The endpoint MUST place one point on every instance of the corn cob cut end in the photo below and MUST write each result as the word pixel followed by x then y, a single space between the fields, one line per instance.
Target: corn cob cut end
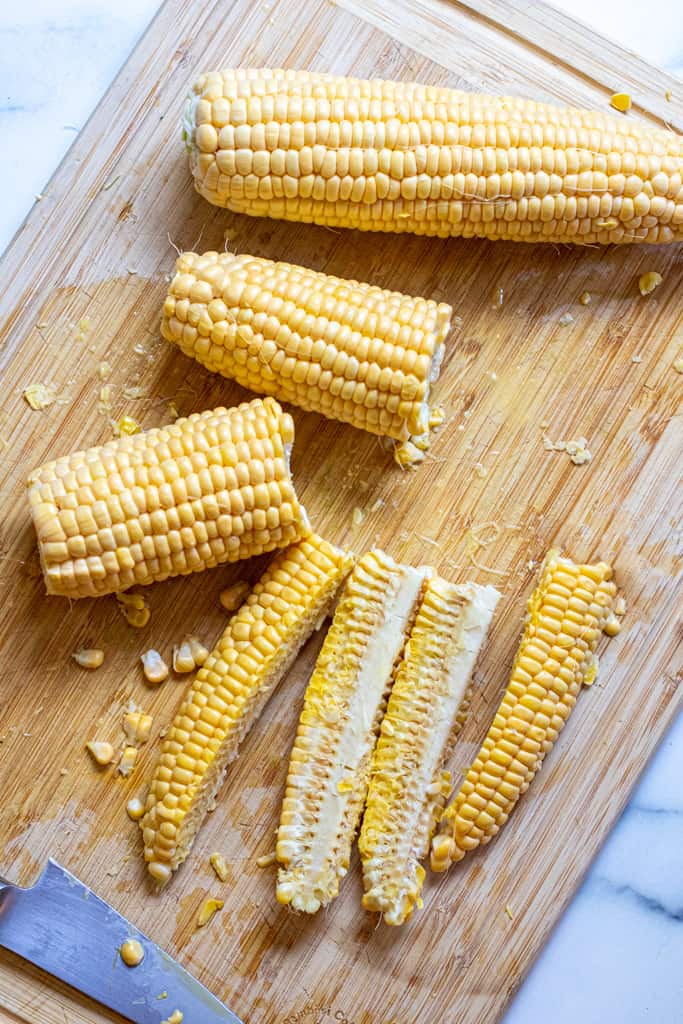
pixel 256 650
pixel 567 615
pixel 330 761
pixel 427 708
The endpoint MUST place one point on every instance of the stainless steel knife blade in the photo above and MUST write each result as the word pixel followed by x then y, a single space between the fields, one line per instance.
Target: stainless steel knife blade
pixel 59 924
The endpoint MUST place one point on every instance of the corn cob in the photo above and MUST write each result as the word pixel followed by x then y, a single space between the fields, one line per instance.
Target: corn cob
pixel 212 488
pixel 350 351
pixel 396 156
pixel 229 692
pixel 566 616
pixel 427 708
pixel 330 761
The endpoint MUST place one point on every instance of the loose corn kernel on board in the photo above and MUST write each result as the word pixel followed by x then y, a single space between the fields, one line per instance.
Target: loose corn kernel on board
pixel 84 282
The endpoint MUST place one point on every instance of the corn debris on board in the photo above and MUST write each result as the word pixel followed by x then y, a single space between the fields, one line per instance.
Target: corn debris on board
pixel 427 708
pixel 330 760
pixel 399 156
pixel 231 689
pixel 566 616
pixel 351 351
pixel 214 487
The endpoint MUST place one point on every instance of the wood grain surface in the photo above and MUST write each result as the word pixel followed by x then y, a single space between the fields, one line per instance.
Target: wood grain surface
pixel 83 282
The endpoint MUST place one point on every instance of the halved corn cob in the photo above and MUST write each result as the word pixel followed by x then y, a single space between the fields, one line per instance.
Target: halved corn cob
pixel 566 615
pixel 231 689
pixel 330 761
pixel 212 488
pixel 399 156
pixel 351 351
pixel 427 708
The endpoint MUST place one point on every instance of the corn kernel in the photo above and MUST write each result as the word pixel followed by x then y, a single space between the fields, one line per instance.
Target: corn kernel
pixel 137 726
pixel 207 910
pixel 88 657
pixel 233 596
pixel 154 667
pixel 648 282
pixel 218 864
pixel 621 101
pixel 135 808
pixel 101 752
pixel 128 759
pixel 131 952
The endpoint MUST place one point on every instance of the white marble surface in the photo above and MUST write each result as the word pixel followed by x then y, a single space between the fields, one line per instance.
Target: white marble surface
pixel 616 956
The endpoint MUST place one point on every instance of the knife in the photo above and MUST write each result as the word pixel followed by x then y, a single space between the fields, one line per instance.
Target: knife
pixel 59 924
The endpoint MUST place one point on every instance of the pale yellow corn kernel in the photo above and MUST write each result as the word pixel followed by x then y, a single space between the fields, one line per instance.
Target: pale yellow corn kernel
pixel 198 651
pixel 137 726
pixel 234 595
pixel 401 156
pixel 648 282
pixel 154 668
pixel 621 101
pixel 209 489
pixel 218 864
pixel 135 808
pixel 345 349
pixel 612 627
pixel 175 1018
pixel 209 907
pixel 127 762
pixel 522 733
pixel 408 455
pixel 266 860
pixel 131 952
pixel 229 691
pixel 40 396
pixel 427 708
pixel 620 606
pixel 101 752
pixel 585 298
pixel 88 657
pixel 329 768
pixel 183 659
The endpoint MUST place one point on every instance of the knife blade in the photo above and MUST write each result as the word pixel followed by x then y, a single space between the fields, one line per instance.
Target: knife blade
pixel 61 925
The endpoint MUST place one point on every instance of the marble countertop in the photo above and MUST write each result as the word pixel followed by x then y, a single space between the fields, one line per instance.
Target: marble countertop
pixel 616 955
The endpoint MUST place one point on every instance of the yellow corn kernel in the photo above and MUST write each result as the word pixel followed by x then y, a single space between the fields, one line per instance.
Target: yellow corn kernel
pixel 101 752
pixel 257 648
pixel 137 726
pixel 131 952
pixel 427 708
pixel 401 156
pixel 175 1018
pixel 88 657
pixel 154 667
pixel 128 759
pixel 348 350
pixel 621 101
pixel 585 298
pixel 235 595
pixel 127 426
pixel 218 864
pixel 40 396
pixel 266 860
pixel 135 808
pixel 567 613
pixel 338 726
pixel 207 910
pixel 134 609
pixel 648 282
pixel 212 488
pixel 408 455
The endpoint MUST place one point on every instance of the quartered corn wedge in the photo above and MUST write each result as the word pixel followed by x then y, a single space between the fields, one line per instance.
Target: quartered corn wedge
pixel 229 692
pixel 400 156
pixel 351 351
pixel 212 488
pixel 427 708
pixel 566 616
pixel 330 761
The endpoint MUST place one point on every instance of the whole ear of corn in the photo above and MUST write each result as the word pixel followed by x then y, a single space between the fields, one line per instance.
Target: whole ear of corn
pixel 427 708
pixel 212 488
pixel 229 692
pixel 566 615
pixel 351 351
pixel 399 156
pixel 330 761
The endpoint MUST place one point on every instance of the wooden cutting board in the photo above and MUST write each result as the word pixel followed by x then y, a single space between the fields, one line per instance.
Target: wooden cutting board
pixel 83 282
